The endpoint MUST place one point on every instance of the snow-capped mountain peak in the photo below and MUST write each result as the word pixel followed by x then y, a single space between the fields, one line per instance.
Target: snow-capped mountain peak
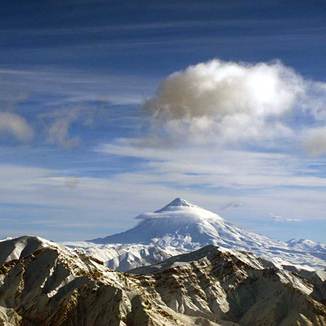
pixel 179 223
pixel 183 212
pixel 181 227
pixel 177 202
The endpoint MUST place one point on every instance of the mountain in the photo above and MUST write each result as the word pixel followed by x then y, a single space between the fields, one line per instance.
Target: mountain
pixel 43 283
pixel 181 227
pixel 315 248
pixel 123 257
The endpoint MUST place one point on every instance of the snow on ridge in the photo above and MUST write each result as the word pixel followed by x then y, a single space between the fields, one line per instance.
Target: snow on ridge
pixel 177 202
pixel 16 248
pixel 306 243
pixel 182 227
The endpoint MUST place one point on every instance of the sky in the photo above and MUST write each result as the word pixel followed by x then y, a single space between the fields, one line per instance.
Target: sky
pixel 112 108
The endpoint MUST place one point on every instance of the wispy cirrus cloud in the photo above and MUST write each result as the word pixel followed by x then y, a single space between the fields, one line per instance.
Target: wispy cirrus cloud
pixel 61 99
pixel 282 219
pixel 62 86
pixel 59 122
pixel 315 141
pixel 218 167
pixel 58 133
pixel 15 125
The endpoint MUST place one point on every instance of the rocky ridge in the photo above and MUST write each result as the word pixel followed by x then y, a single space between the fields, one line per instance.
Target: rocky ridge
pixel 43 283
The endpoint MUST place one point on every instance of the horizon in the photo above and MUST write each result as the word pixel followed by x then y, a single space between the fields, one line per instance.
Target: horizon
pixel 109 110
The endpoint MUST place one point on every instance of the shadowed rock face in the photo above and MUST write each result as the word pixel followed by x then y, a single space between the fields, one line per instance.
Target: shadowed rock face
pixel 48 284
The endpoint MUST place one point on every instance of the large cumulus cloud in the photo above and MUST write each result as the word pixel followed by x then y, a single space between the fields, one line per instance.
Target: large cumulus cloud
pixel 229 101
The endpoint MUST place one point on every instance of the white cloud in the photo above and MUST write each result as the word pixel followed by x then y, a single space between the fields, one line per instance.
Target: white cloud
pixel 235 103
pixel 15 125
pixel 227 100
pixel 315 141
pixel 315 100
pixel 62 98
pixel 58 123
pixel 225 88
pixel 281 219
pixel 58 132
pixel 75 86
pixel 217 167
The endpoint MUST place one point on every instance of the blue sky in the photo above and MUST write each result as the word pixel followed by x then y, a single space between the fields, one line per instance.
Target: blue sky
pixel 94 129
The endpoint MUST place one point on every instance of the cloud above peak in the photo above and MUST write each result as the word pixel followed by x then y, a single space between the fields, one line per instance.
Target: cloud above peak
pixel 233 101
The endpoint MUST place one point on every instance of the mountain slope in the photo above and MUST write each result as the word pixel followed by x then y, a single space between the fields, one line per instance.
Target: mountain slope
pixel 52 285
pixel 317 249
pixel 181 227
pixel 124 257
pixel 249 290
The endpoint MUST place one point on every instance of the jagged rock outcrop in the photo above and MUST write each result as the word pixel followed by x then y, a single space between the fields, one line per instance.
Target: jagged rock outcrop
pixel 42 283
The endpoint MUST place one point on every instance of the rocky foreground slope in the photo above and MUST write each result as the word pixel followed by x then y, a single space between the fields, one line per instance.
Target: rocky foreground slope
pixel 42 283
